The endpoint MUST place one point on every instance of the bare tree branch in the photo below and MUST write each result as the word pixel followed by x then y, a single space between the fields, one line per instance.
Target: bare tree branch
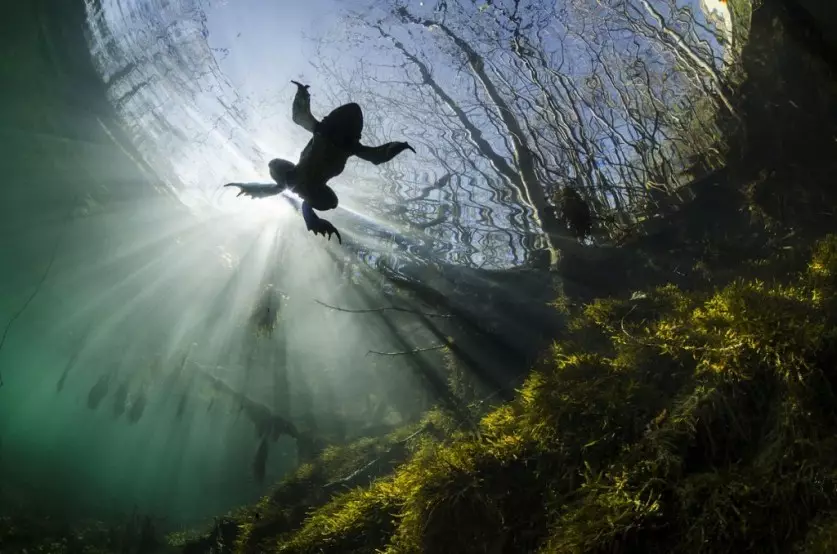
pixel 40 284
pixel 384 309
pixel 407 352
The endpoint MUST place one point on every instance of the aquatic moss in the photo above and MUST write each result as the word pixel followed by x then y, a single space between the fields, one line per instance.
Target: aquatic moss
pixel 29 533
pixel 821 537
pixel 358 521
pixel 285 508
pixel 669 422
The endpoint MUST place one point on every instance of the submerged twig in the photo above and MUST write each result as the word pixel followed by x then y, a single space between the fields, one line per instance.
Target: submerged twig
pixel 622 325
pixel 37 288
pixel 385 308
pixel 394 451
pixel 406 352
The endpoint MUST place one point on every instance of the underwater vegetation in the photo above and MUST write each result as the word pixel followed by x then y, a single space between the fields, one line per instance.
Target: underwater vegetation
pixel 30 534
pixel 673 421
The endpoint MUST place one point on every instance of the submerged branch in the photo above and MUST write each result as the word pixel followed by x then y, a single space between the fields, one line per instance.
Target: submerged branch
pixel 371 470
pixel 37 287
pixel 406 352
pixel 384 309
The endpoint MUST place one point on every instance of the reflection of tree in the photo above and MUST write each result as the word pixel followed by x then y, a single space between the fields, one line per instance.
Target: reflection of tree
pixel 616 101
pixel 523 177
pixel 165 81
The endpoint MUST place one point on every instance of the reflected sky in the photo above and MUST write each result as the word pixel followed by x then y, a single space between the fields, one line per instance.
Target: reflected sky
pixel 267 40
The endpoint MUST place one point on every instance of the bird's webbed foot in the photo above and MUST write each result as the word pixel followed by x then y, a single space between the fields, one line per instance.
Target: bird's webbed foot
pixel 318 225
pixel 325 228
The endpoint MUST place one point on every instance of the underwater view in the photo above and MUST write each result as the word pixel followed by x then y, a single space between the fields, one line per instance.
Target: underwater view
pixel 393 276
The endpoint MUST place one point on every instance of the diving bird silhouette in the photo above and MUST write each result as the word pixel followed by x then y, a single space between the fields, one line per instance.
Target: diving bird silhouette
pixel 336 138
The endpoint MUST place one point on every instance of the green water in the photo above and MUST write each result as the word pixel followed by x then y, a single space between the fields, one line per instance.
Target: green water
pixel 74 188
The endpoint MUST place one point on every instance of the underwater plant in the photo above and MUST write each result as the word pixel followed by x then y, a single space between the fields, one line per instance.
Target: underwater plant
pixel 671 421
